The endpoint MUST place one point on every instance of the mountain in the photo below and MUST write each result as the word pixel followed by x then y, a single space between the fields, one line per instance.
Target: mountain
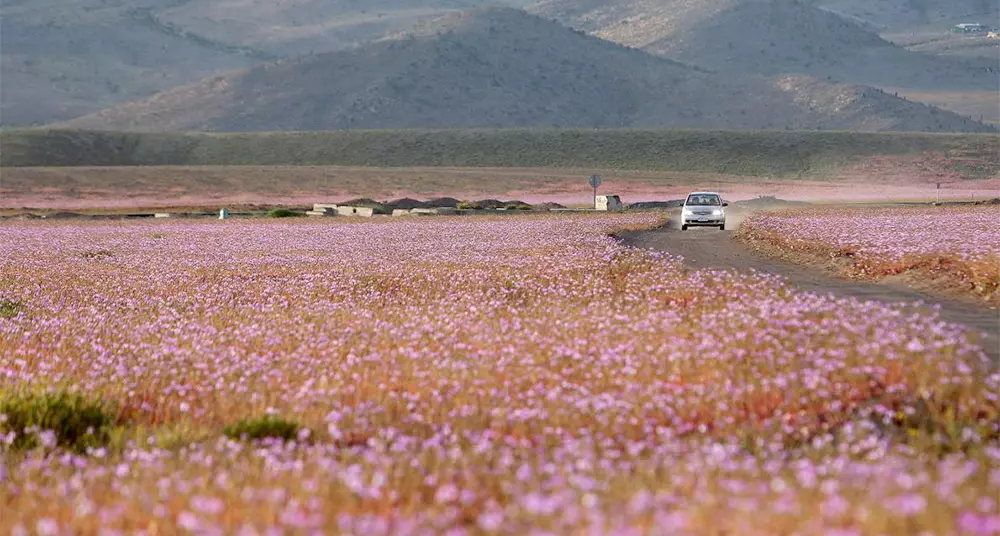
pixel 505 68
pixel 903 14
pixel 768 37
pixel 773 37
pixel 63 58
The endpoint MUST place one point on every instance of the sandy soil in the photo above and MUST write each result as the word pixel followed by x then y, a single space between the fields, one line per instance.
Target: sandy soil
pixel 712 248
pixel 211 186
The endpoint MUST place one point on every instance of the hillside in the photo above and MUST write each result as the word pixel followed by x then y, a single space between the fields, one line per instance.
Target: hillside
pixel 502 68
pixel 895 15
pixel 293 27
pixel 768 37
pixel 60 59
pixel 772 37
pixel 776 153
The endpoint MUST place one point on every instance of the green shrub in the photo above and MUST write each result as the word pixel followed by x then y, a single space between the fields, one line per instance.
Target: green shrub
pixel 284 213
pixel 268 426
pixel 517 206
pixel 96 254
pixel 10 309
pixel 469 205
pixel 76 421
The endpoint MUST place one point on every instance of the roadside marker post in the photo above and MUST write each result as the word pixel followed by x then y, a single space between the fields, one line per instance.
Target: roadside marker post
pixel 594 181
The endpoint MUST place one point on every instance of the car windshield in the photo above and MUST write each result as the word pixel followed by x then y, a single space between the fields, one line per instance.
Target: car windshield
pixel 704 200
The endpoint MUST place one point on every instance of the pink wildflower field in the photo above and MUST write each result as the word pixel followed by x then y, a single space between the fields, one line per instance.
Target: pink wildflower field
pixel 961 244
pixel 473 376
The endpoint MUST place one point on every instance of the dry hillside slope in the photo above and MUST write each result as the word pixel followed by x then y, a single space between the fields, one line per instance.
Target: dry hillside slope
pixel 902 14
pixel 65 58
pixel 505 68
pixel 768 37
pixel 293 27
pixel 773 37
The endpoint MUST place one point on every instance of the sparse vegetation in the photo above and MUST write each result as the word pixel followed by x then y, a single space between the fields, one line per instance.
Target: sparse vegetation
pixel 771 153
pixel 96 254
pixel 268 426
pixel 469 205
pixel 881 242
pixel 10 308
pixel 50 419
pixel 284 213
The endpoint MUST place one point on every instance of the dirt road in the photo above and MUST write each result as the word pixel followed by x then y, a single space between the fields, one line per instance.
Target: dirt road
pixel 712 248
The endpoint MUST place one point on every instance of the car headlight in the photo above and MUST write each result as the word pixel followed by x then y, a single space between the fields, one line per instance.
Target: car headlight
pixel 717 212
pixel 687 212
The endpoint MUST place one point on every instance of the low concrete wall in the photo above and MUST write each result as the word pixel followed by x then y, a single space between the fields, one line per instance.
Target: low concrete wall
pixel 363 212
pixel 611 203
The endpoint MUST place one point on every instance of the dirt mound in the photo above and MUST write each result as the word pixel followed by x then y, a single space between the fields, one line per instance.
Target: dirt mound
pixel 406 203
pixel 495 68
pixel 768 201
pixel 652 205
pixel 360 202
pixel 549 206
pixel 443 202
pixel 65 216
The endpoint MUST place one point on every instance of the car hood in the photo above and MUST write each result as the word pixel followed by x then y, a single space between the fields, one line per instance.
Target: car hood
pixel 698 209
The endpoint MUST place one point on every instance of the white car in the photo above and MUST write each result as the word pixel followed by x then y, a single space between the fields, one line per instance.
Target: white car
pixel 704 208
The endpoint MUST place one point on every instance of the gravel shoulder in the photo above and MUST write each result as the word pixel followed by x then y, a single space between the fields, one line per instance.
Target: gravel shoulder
pixel 712 248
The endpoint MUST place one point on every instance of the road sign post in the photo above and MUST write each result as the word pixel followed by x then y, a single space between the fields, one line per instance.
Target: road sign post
pixel 595 181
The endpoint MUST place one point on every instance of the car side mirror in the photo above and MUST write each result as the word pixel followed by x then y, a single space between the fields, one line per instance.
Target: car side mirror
pixel 725 204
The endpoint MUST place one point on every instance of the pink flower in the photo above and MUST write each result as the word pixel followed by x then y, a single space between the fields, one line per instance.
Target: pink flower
pixel 446 493
pixel 47 527
pixel 971 523
pixel 490 521
pixel 188 522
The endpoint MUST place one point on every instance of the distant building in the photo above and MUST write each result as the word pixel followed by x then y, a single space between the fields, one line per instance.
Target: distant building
pixel 969 27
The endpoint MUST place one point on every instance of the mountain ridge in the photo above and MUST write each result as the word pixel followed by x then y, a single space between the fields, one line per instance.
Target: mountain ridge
pixel 503 68
pixel 767 37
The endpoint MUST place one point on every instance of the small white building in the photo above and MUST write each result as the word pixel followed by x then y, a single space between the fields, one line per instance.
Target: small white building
pixel 610 203
pixel 970 27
